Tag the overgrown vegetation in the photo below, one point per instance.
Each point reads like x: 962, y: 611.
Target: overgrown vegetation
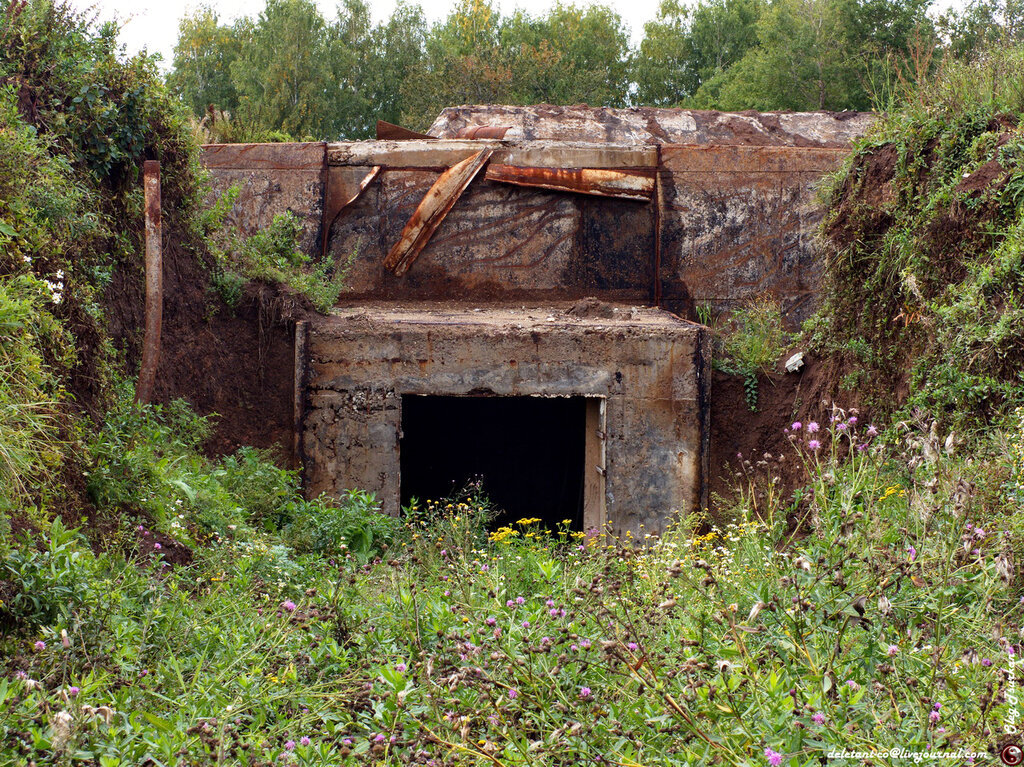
x: 749, y: 341
x: 207, y: 613
x: 890, y: 626
x: 925, y: 248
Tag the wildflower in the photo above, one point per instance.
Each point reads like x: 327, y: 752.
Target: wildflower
x: 40, y: 645
x: 585, y: 643
x: 73, y: 691
x: 812, y: 427
x: 550, y: 603
x: 796, y: 426
x: 526, y: 624
x: 872, y: 431
x: 851, y: 420
x: 774, y: 757
x: 64, y: 639
x: 937, y: 706
x: 400, y: 668
x: 379, y: 738
x: 933, y: 717
x: 893, y: 650
x: 513, y: 693
x: 288, y: 605
x: 585, y: 693
x: 491, y: 621
x: 851, y: 684
x: 814, y: 444
x: 520, y: 600
x: 912, y: 552
x: 633, y: 646
x: 157, y: 546
x: 289, y: 746
x: 818, y: 718
x: 509, y: 603
x: 986, y: 662
x: 304, y: 740
x: 841, y: 427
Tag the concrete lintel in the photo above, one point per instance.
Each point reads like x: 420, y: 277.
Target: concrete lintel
x: 445, y: 153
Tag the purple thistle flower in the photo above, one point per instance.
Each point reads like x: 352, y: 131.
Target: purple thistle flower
x: 796, y: 426
x: 400, y: 668
x: 841, y: 427
x: 40, y: 645
x: 491, y: 621
x: 986, y: 662
x: 774, y: 757
x: 933, y: 717
x: 73, y: 691
x: 872, y: 431
x: 157, y: 546
x: 585, y: 693
x: 633, y: 646
x: 304, y: 740
x: 509, y: 603
x: 520, y: 600
x: 852, y: 420
x: 513, y: 693
x: 893, y: 649
x: 818, y: 718
x: 288, y: 605
x: 812, y: 427
x: 912, y: 552
x: 378, y: 738
x: 814, y: 444
x: 289, y: 746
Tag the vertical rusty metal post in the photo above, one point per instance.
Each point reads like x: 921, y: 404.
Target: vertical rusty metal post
x: 299, y: 389
x: 657, y: 228
x: 154, y: 283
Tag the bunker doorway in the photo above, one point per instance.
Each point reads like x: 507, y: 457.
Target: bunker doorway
x: 540, y: 457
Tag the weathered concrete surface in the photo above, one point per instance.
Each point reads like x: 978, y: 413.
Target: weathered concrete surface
x: 499, y: 242
x: 272, y: 179
x: 647, y: 125
x: 650, y: 368
x: 740, y: 222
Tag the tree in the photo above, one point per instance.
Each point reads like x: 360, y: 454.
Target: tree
x: 822, y: 54
x: 683, y: 48
x: 203, y: 55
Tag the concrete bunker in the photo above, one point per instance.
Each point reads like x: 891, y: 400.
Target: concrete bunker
x: 637, y: 377
x: 548, y: 264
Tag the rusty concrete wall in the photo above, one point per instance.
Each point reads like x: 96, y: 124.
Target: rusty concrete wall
x: 740, y: 222
x: 272, y: 179
x: 499, y: 241
x: 729, y: 223
x: 651, y: 368
x: 648, y: 125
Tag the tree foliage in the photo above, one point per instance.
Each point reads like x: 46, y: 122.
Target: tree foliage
x: 290, y: 71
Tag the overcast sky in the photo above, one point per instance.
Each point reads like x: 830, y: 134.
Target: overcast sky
x: 153, y: 24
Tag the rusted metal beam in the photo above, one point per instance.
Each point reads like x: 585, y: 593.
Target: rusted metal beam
x: 483, y: 131
x: 154, y: 283
x: 431, y: 211
x: 621, y: 184
x: 342, y: 188
x: 390, y: 132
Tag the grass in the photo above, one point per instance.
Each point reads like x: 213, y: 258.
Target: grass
x: 750, y: 341
x: 883, y: 620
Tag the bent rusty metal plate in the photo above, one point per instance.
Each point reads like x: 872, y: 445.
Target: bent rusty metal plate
x: 431, y: 211
x: 601, y: 182
x: 344, y: 185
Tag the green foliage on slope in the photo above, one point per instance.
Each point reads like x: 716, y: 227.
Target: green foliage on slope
x: 925, y: 235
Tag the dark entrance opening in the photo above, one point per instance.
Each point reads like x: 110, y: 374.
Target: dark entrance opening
x: 528, y: 451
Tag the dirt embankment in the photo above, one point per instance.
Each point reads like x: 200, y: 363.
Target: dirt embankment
x: 237, y: 363
x: 740, y: 435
